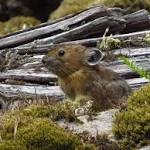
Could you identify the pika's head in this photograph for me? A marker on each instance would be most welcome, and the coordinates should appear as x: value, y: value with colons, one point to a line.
x: 67, y: 59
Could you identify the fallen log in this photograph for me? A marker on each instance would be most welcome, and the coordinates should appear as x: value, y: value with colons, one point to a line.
x: 91, y: 42
x: 53, y: 28
x: 133, y: 52
x: 137, y: 21
x: 31, y: 91
x: 136, y: 83
x: 59, y: 28
x: 42, y: 76
x: 96, y: 26
x: 28, y: 76
x: 50, y: 91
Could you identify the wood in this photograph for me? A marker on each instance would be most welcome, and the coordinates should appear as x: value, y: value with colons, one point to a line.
x: 53, y: 28
x: 57, y: 28
x: 137, y: 82
x: 96, y: 26
x: 91, y: 42
x: 141, y: 21
x: 37, y: 90
x: 50, y: 91
x: 28, y: 76
x: 42, y: 76
x: 137, y: 21
x: 134, y: 52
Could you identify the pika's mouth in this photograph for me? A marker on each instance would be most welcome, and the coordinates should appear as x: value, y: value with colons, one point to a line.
x: 50, y: 62
x: 56, y: 66
x: 53, y: 65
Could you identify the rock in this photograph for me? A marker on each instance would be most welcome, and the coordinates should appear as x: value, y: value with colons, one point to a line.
x: 145, y: 148
x: 37, y: 8
x: 100, y: 124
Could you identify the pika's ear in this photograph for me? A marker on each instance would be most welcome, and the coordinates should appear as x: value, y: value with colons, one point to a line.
x: 94, y: 56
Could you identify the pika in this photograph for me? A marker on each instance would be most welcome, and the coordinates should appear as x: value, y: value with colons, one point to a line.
x: 80, y: 72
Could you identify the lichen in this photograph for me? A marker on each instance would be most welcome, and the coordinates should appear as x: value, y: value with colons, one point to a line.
x: 17, y: 23
x: 132, y: 125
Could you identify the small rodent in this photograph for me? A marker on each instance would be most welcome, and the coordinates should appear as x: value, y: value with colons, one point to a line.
x: 80, y: 73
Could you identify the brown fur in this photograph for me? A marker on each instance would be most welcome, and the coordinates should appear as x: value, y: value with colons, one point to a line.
x: 76, y: 77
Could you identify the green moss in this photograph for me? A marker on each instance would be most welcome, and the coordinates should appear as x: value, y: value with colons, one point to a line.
x: 132, y: 125
x: 134, y: 4
x: 68, y: 7
x: 87, y: 147
x: 60, y: 110
x: 147, y: 39
x: 132, y: 65
x: 109, y: 43
x: 73, y: 6
x: 30, y: 133
x: 17, y: 23
x: 11, y: 145
x: 43, y: 135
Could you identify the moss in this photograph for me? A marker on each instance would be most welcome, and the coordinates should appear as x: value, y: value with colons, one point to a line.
x: 147, y: 39
x: 104, y: 143
x: 109, y: 43
x: 22, y: 132
x: 66, y: 109
x: 17, y: 23
x: 68, y: 7
x: 11, y: 145
x: 87, y: 147
x: 73, y: 6
x: 133, y: 66
x: 133, y: 4
x: 60, y: 110
x: 132, y: 125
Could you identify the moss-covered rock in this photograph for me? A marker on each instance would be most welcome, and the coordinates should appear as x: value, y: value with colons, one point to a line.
x: 69, y: 7
x: 17, y: 23
x: 133, y: 4
x: 32, y: 128
x: 74, y: 6
x: 132, y: 125
x: 20, y: 132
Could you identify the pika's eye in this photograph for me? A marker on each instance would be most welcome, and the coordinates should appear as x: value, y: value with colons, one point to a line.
x: 61, y: 53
